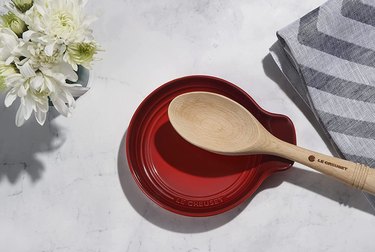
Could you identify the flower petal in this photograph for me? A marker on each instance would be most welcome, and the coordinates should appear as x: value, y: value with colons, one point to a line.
x: 29, y: 106
x: 43, y: 105
x: 22, y: 91
x: 8, y: 42
x: 20, y: 116
x: 9, y: 60
x: 68, y: 98
x: 67, y: 70
x: 10, y: 97
x: 27, y: 35
x: 37, y: 82
x: 26, y: 70
x: 49, y: 84
x: 40, y: 116
x: 60, y: 106
x: 49, y: 49
x: 14, y: 80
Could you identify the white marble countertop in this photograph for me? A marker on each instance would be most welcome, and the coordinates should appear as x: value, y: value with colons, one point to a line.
x: 66, y: 187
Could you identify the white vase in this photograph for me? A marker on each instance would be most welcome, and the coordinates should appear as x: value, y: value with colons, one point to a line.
x: 83, y: 79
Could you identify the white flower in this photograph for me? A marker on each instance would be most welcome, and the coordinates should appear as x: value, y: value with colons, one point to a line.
x: 19, y: 87
x: 30, y: 57
x: 11, y: 21
x: 5, y: 71
x: 59, y: 21
x: 23, y: 5
x: 81, y: 54
x: 8, y: 42
x: 35, y: 92
x: 42, y: 43
x: 35, y: 52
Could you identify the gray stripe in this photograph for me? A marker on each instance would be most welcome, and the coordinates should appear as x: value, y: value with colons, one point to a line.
x: 369, y: 2
x: 354, y: 145
x: 325, y: 62
x: 309, y: 35
x: 357, y: 10
x: 344, y: 28
x: 347, y: 126
x: 359, y: 159
x: 337, y: 86
x: 341, y: 106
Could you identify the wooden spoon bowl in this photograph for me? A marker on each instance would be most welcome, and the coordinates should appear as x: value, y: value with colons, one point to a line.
x: 216, y: 123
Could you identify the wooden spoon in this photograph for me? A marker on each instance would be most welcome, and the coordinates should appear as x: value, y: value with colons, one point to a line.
x: 218, y: 124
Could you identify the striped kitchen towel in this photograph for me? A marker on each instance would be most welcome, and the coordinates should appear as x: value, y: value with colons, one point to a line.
x: 329, y: 57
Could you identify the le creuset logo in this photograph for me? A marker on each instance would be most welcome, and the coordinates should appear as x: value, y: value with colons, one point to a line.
x: 312, y: 159
x: 199, y: 203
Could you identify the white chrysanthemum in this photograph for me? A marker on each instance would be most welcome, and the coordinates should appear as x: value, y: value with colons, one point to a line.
x: 23, y: 5
x: 8, y: 43
x: 45, y: 42
x: 5, y: 71
x: 37, y: 78
x: 30, y: 56
x: 81, y: 54
x: 60, y: 25
x: 35, y: 92
x: 16, y: 24
x: 59, y: 21
x: 20, y: 87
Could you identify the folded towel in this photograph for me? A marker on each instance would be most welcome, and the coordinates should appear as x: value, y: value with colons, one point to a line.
x: 329, y: 57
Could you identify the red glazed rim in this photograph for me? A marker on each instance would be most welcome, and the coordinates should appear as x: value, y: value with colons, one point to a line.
x: 263, y: 167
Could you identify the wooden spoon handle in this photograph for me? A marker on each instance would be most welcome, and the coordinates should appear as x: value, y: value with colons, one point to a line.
x: 357, y: 175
